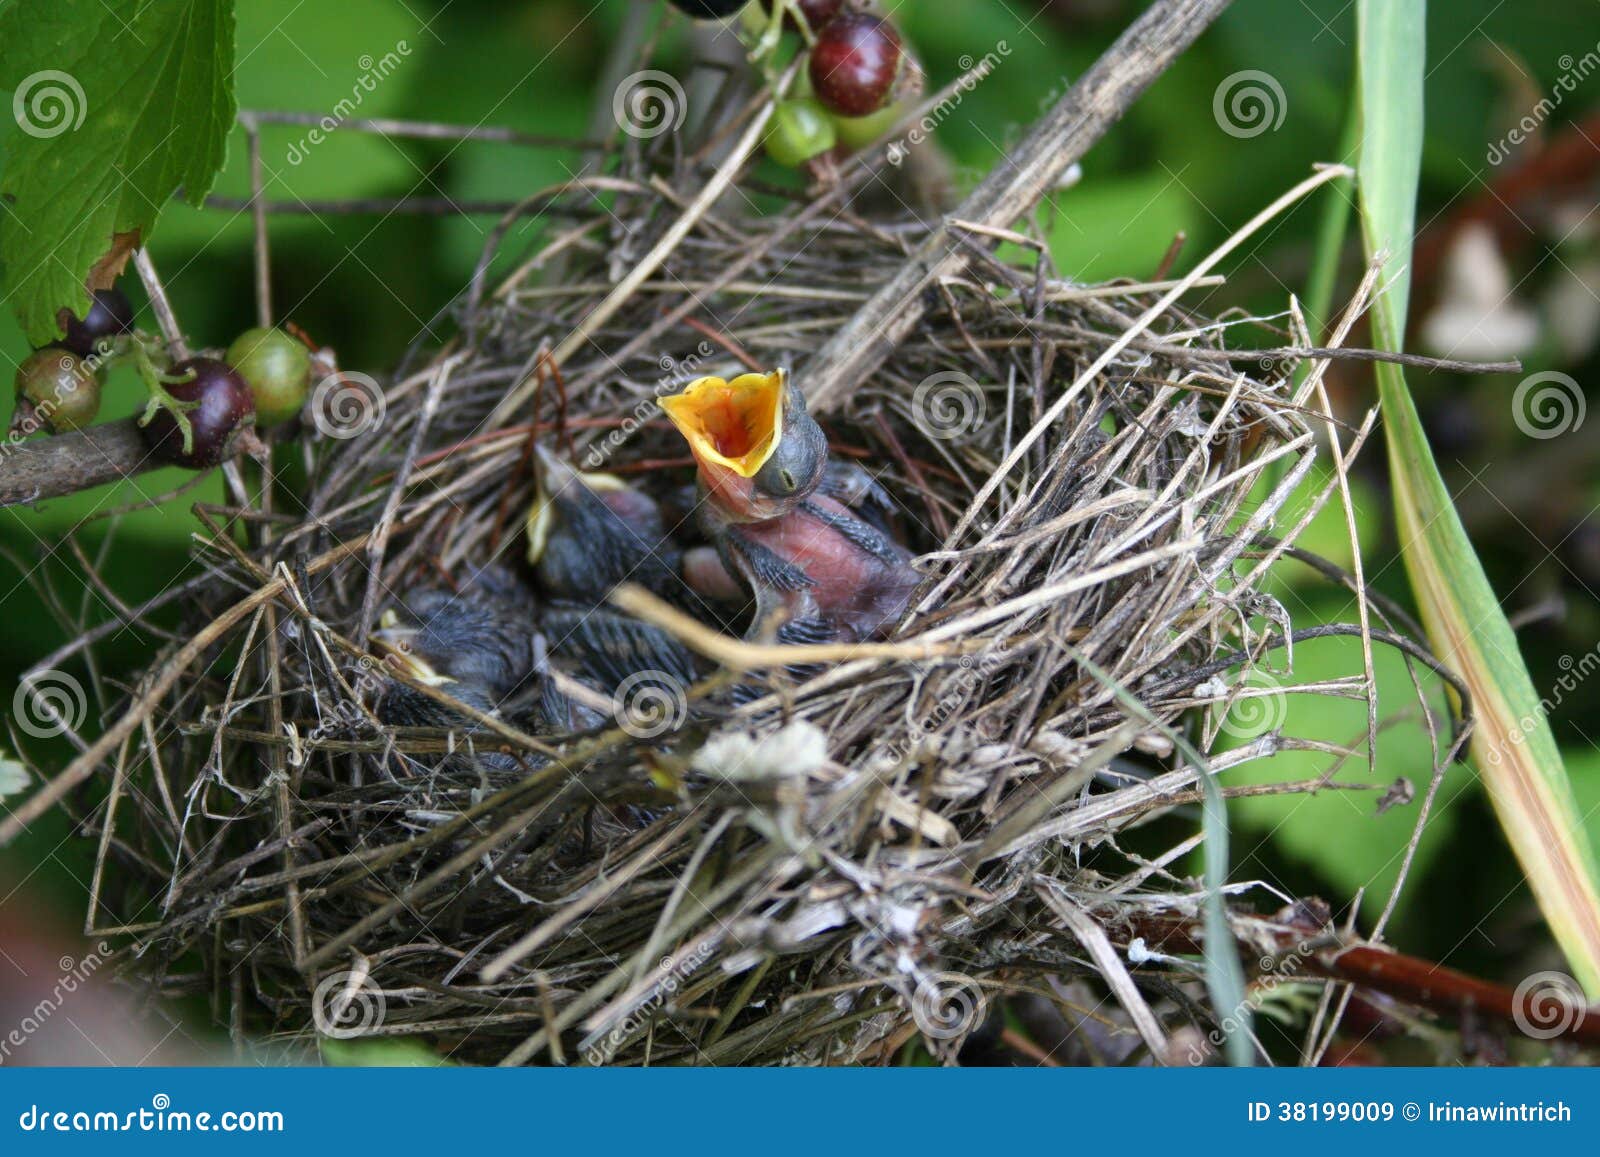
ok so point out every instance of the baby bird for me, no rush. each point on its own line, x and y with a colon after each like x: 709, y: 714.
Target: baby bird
x: 483, y: 637
x: 762, y: 464
x: 587, y: 532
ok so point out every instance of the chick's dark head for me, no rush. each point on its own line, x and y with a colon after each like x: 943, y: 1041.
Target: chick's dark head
x: 587, y: 532
x: 478, y: 638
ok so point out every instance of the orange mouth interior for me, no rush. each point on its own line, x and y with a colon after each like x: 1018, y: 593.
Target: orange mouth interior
x: 734, y: 424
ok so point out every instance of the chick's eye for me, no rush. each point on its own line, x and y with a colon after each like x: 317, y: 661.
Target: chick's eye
x: 787, y: 478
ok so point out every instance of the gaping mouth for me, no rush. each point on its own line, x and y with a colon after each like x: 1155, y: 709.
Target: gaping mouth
x: 733, y: 424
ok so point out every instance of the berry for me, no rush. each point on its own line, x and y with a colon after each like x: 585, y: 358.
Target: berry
x: 709, y: 9
x: 800, y: 130
x: 816, y: 12
x: 110, y: 314
x: 854, y: 64
x: 859, y: 132
x: 276, y: 368
x: 223, y: 410
x: 58, y: 391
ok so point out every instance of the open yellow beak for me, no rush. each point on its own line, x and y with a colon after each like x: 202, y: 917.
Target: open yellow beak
x: 733, y: 424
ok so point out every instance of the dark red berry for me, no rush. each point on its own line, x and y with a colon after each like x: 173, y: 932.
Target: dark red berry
x: 224, y: 413
x: 709, y: 9
x: 110, y: 314
x: 854, y: 64
x: 816, y: 12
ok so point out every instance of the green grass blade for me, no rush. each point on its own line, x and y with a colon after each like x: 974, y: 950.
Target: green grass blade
x: 1513, y: 749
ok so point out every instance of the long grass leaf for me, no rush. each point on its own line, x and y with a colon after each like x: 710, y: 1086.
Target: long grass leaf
x: 1513, y: 750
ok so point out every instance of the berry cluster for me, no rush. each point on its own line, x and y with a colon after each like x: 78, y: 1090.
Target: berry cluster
x: 198, y: 409
x: 856, y: 66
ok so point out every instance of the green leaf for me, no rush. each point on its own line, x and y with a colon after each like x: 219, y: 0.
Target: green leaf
x: 1513, y: 749
x: 380, y: 1053
x: 121, y: 109
x: 1341, y: 834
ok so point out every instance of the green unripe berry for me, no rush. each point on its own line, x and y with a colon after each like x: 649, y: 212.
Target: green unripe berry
x: 800, y: 130
x: 859, y: 132
x: 277, y: 369
x: 60, y: 388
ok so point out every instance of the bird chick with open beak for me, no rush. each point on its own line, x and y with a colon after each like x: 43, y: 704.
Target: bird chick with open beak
x: 762, y: 463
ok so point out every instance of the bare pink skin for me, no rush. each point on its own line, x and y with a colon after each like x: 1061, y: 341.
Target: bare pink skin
x: 861, y: 594
x: 735, y: 497
x: 705, y: 574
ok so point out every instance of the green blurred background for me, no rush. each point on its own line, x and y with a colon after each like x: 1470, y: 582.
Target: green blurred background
x: 369, y: 284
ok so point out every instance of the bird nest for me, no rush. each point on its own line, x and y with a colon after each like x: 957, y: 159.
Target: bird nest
x: 878, y: 847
